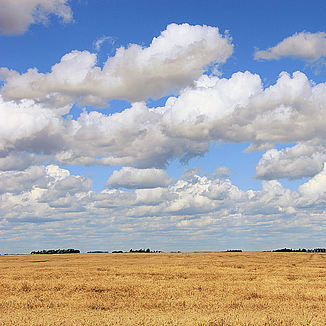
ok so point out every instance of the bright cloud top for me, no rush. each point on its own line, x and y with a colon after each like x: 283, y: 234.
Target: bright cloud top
x: 306, y: 46
x: 172, y: 61
x: 17, y: 15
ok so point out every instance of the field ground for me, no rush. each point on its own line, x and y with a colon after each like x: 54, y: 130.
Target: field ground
x: 163, y: 289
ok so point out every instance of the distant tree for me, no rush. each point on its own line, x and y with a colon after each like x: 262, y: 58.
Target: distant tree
x: 56, y: 251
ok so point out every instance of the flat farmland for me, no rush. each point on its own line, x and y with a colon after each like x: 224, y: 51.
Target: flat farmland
x: 163, y: 289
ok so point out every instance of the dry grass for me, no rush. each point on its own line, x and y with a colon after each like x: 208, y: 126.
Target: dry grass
x: 215, y: 289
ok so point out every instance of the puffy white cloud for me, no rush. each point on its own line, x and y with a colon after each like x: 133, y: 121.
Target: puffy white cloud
x: 17, y: 15
x: 41, y: 192
x: 215, y: 109
x: 208, y: 109
x: 172, y: 61
x: 236, y: 109
x: 316, y: 186
x: 132, y: 178
x: 27, y: 128
x: 192, y: 197
x: 306, y: 46
x: 212, y: 99
x: 51, y: 202
x: 180, y: 129
x: 50, y: 177
x: 301, y: 160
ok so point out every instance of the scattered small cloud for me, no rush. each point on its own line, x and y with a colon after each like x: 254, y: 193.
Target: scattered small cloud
x: 99, y: 42
x: 222, y: 172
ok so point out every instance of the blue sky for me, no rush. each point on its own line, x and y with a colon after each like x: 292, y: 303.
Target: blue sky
x: 175, y: 125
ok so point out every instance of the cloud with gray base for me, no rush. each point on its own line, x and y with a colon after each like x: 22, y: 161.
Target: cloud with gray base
x: 299, y: 161
x: 236, y: 109
x: 17, y: 15
x: 306, y: 46
x: 41, y: 195
x: 209, y: 109
x: 173, y: 60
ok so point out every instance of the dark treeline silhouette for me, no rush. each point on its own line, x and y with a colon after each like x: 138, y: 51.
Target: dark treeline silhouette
x: 300, y: 250
x: 143, y: 250
x: 56, y: 251
x: 234, y: 250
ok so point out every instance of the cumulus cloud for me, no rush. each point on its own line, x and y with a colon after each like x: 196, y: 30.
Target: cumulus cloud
x: 306, y: 46
x: 211, y: 109
x: 17, y: 15
x: 19, y: 161
x: 301, y: 160
x: 172, y: 61
x: 16, y: 182
x: 34, y: 129
x: 29, y: 128
x: 153, y: 196
x: 185, y: 199
x: 316, y: 185
x: 236, y: 109
x: 181, y: 129
x: 131, y: 178
x: 49, y: 201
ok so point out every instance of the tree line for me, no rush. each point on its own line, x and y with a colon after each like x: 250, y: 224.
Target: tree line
x: 300, y: 250
x: 56, y: 251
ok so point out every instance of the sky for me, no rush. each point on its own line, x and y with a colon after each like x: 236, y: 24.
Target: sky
x: 171, y: 125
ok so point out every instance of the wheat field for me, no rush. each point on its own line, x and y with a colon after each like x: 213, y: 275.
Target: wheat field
x: 163, y: 289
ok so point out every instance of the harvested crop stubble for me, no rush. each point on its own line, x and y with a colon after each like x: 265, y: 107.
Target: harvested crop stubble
x: 163, y: 289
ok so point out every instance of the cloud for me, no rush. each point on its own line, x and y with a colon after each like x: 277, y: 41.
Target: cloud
x: 19, y: 161
x: 316, y: 186
x: 49, y: 202
x: 236, y: 109
x: 131, y: 178
x: 222, y: 172
x: 29, y: 128
x: 299, y: 161
x: 172, y: 61
x: 212, y: 109
x: 17, y: 15
x: 153, y: 196
x: 181, y: 129
x: 16, y: 182
x: 99, y: 42
x: 306, y: 46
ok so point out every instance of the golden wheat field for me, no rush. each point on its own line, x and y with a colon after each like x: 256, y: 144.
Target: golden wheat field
x: 163, y: 289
